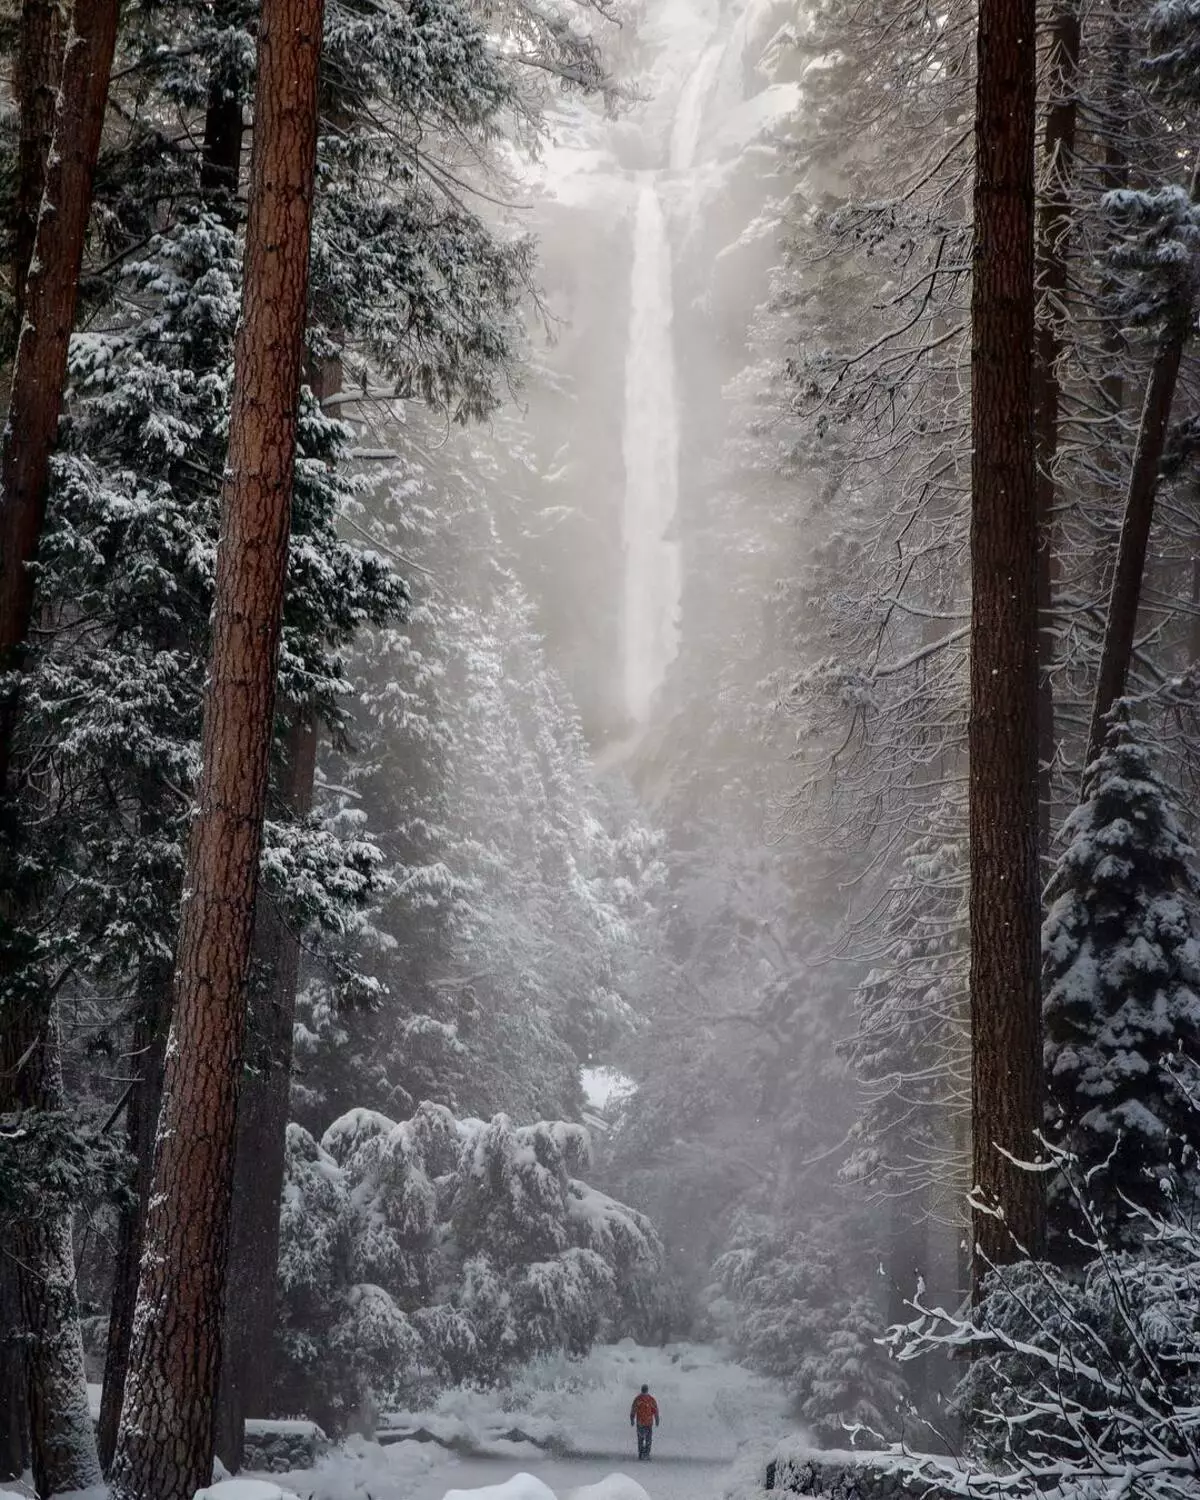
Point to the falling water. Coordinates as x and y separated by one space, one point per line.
653 581
653 564
689 116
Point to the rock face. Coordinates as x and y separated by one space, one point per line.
844 1476
281 1447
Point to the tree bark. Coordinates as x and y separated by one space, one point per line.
35 83
51 287
263 1114
14 1433
1003 736
62 1445
221 155
165 1443
62 1440
1124 599
264 1107
149 1048
1054 222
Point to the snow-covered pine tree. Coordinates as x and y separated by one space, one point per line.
125 581
800 1315
1121 951
503 949
432 1250
911 1048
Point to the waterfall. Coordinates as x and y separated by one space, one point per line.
689 116
653 562
653 572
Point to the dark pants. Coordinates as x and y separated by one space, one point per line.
645 1438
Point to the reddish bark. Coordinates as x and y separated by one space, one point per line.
50 295
263 1114
149 1051
35 83
165 1444
221 155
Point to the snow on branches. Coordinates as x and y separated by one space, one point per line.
1121 950
436 1249
1082 1382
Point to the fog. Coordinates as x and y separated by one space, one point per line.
602 1009
678 606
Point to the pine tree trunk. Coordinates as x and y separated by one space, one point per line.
1004 894
263 1110
1054 221
149 1049
62 1444
165 1444
14 1431
263 1114
221 155
35 83
1114 175
51 286
1120 622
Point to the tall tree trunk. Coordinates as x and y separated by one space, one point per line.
263 1110
165 1444
1121 619
149 1050
36 75
61 1437
51 286
35 83
1054 221
14 1427
1004 894
263 1113
221 155
1114 174
62 1443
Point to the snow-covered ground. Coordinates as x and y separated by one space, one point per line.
710 1408
709 1405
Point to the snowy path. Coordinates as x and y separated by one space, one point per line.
664 1478
420 1471
712 1408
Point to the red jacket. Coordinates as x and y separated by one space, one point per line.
644 1410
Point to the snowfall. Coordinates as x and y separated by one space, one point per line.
718 1421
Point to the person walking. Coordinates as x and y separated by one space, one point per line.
643 1415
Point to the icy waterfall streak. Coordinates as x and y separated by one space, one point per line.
653 564
689 116
653 580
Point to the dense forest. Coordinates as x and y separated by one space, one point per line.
600 633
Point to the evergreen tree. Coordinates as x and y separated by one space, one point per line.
911 1047
433 1250
1121 949
503 949
165 1438
799 1315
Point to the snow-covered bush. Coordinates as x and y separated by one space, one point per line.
1081 1380
418 1254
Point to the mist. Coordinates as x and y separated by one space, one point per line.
598 784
